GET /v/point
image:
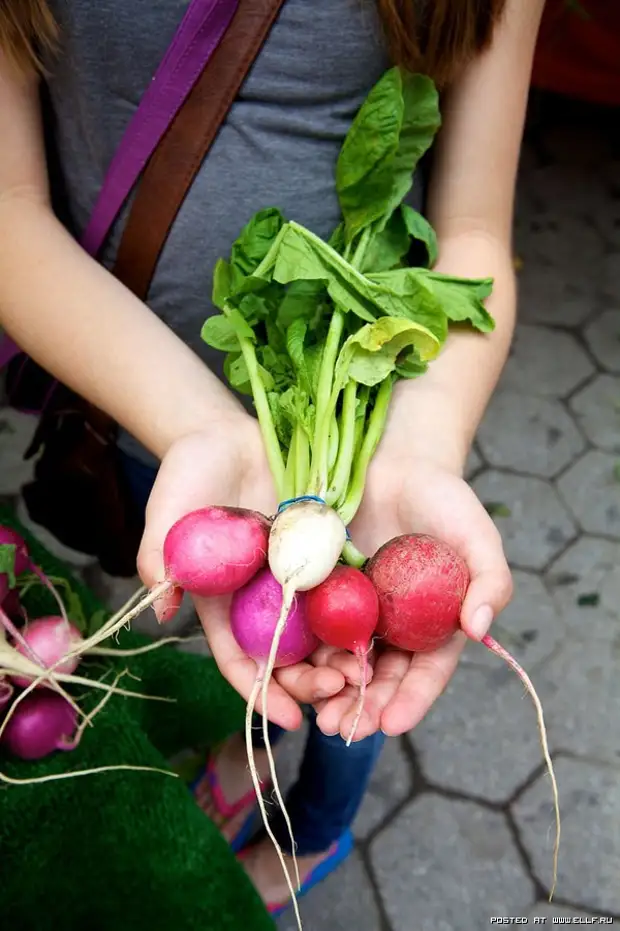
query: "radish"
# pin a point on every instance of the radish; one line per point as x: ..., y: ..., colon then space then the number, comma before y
x: 50, y: 639
x: 43, y: 722
x: 421, y: 585
x: 255, y: 613
x: 343, y: 612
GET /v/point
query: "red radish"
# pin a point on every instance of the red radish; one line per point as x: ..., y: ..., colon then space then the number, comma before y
x: 49, y: 639
x: 343, y: 612
x: 43, y: 722
x: 255, y: 614
x: 421, y: 583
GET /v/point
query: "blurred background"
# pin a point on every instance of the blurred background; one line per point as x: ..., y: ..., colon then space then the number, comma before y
x: 458, y: 825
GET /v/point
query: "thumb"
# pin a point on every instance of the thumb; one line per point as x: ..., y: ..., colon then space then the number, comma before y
x: 491, y: 586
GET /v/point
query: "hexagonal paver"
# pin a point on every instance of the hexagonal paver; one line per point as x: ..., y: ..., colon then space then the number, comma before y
x: 343, y: 901
x: 537, y: 525
x: 448, y: 866
x: 591, y: 489
x: 603, y: 338
x: 16, y: 432
x: 545, y: 362
x: 528, y: 434
x: 391, y: 783
x: 548, y: 914
x: 480, y: 737
x: 580, y: 692
x: 597, y: 409
x: 531, y: 627
x: 589, y: 860
x: 585, y: 584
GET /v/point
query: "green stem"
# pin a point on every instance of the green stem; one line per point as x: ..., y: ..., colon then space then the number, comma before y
x: 334, y: 439
x: 320, y: 445
x: 289, y: 473
x: 269, y: 260
x: 302, y: 461
x: 360, y: 252
x: 265, y: 420
x: 352, y: 556
x: 340, y: 479
x: 376, y: 423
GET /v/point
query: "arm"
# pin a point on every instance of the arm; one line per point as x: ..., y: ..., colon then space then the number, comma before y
x: 471, y: 208
x: 73, y: 317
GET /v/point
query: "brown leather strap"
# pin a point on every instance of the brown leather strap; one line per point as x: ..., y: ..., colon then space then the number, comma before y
x: 176, y: 161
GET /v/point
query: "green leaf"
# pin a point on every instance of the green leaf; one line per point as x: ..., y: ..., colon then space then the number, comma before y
x: 304, y: 300
x: 7, y: 562
x: 420, y: 229
x: 389, y: 246
x: 295, y: 405
x: 218, y: 333
x: 497, y: 509
x: 589, y: 600
x: 393, y: 129
x: 295, y: 336
x: 222, y: 283
x: 370, y: 355
x: 281, y: 422
x: 241, y: 328
x: 256, y: 239
x: 461, y: 299
x: 313, y: 357
x: 410, y: 366
x: 402, y: 293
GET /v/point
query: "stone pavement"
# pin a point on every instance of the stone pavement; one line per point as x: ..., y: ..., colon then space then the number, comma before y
x: 457, y: 826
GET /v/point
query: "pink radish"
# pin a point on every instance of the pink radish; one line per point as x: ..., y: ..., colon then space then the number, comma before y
x: 254, y: 617
x: 421, y: 583
x: 43, y: 722
x: 343, y: 612
x: 49, y: 639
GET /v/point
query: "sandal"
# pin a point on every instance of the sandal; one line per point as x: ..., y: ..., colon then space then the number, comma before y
x: 338, y: 853
x: 226, y: 810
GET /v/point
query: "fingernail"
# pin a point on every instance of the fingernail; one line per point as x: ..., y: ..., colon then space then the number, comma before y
x: 481, y: 621
x: 324, y: 693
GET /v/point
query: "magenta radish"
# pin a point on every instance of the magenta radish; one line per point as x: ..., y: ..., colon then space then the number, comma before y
x: 50, y: 639
x: 421, y: 583
x: 43, y: 722
x: 343, y: 612
x: 254, y: 616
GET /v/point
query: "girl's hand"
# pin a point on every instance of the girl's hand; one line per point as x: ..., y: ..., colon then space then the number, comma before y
x: 225, y: 465
x: 407, y: 495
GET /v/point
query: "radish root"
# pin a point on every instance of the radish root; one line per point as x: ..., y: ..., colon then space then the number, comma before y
x: 362, y: 659
x: 249, y: 746
x: 499, y: 650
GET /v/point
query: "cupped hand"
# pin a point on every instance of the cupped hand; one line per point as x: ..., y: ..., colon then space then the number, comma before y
x: 409, y: 495
x: 226, y: 465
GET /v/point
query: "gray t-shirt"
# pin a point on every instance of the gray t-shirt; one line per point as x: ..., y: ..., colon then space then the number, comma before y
x: 278, y: 146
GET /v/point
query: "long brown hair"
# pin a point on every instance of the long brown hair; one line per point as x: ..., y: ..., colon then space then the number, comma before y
x: 434, y: 36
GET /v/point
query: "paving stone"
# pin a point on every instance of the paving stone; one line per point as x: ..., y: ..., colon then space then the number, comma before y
x: 580, y: 692
x: 474, y: 463
x: 591, y: 489
x: 603, y: 338
x: 390, y: 784
x: 589, y: 861
x: 585, y: 584
x: 538, y: 526
x: 559, y: 914
x: 480, y: 737
x: 531, y: 627
x: 448, y: 866
x: 16, y: 432
x: 597, y: 410
x: 545, y: 362
x: 528, y: 434
x: 342, y: 901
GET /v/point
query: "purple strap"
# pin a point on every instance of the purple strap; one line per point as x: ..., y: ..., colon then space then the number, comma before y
x: 199, y: 34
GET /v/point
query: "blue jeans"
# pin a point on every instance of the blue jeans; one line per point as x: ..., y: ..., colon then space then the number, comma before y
x: 332, y: 778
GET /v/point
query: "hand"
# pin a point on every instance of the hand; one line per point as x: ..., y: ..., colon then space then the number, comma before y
x: 423, y: 497
x: 226, y: 465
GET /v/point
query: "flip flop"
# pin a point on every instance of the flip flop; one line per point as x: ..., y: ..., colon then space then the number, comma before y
x: 339, y: 852
x: 226, y: 810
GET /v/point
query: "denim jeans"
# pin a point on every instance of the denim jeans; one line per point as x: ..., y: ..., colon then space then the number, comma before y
x: 332, y: 779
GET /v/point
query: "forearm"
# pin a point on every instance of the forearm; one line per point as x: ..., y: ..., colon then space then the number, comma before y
x: 82, y: 325
x: 439, y: 412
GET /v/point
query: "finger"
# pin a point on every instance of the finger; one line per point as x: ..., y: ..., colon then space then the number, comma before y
x: 308, y: 684
x: 344, y: 662
x: 239, y: 670
x: 332, y: 711
x: 491, y: 586
x: 390, y: 670
x: 427, y: 677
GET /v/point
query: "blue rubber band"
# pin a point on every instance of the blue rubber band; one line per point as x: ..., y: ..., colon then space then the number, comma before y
x: 289, y: 501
